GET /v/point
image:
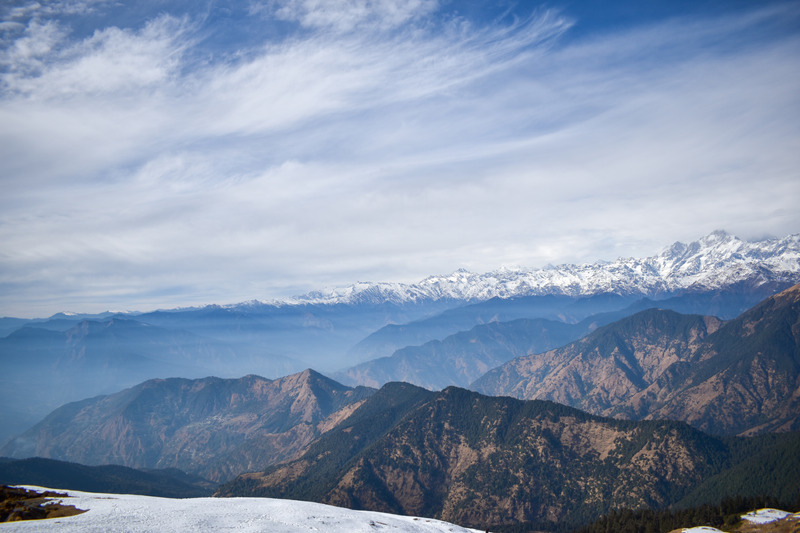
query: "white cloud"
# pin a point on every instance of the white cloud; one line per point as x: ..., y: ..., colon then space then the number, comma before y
x: 110, y: 61
x: 347, y: 15
x: 25, y: 56
x: 53, y: 8
x: 131, y: 167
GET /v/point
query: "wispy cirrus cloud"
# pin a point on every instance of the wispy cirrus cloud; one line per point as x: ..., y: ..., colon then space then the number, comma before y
x: 376, y: 140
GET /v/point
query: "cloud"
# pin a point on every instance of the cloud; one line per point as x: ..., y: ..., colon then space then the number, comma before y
x: 379, y: 142
x: 110, y: 61
x: 25, y: 55
x: 347, y: 15
x: 52, y: 8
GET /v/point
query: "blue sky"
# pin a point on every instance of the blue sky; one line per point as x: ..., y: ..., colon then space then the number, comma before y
x: 159, y: 154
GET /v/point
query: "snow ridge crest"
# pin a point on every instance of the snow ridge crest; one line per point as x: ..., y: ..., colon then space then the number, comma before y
x: 712, y: 262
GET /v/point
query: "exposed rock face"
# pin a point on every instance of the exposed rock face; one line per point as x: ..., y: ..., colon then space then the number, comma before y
x: 213, y: 427
x: 479, y: 461
x: 739, y: 377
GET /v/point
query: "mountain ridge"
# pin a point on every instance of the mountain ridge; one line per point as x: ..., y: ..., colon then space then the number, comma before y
x: 169, y: 483
x: 484, y: 461
x: 713, y: 261
x: 736, y: 377
x: 213, y: 427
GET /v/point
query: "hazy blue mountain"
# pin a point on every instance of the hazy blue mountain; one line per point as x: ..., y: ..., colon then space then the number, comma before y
x: 387, y: 340
x: 57, y: 322
x: 43, y: 369
x: 726, y: 303
x: 9, y: 324
x: 319, y: 335
x: 462, y: 358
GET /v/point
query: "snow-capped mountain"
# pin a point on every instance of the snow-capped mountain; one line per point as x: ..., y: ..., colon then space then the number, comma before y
x: 715, y: 261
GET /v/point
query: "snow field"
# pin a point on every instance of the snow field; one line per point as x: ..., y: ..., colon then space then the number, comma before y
x: 125, y: 513
x: 761, y: 516
x: 765, y: 516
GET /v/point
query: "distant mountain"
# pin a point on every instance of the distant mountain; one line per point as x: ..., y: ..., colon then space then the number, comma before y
x: 43, y: 368
x: 462, y: 358
x: 331, y: 329
x: 714, y: 262
x: 718, y: 275
x: 570, y: 309
x: 315, y: 335
x: 212, y: 427
x: 170, y: 483
x: 737, y: 377
x: 337, y: 329
x: 486, y: 461
x: 82, y: 355
x: 57, y: 322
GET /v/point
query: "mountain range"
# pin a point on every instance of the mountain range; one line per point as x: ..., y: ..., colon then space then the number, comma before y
x: 375, y: 333
x: 80, y: 355
x: 713, y: 262
x: 211, y: 427
x: 44, y: 368
x: 482, y: 460
x: 736, y: 377
x: 485, y: 462
x: 463, y: 357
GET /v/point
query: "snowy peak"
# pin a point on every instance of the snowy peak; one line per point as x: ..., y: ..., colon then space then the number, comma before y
x: 720, y: 259
x: 712, y: 262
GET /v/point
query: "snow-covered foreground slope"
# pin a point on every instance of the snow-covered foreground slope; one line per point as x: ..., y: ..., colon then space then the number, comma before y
x: 109, y: 513
x: 759, y: 517
x: 765, y: 516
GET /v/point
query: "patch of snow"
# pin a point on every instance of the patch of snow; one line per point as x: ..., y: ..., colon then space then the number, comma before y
x: 117, y: 513
x: 702, y: 529
x: 765, y: 516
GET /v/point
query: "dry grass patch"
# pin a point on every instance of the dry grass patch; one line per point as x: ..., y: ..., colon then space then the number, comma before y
x: 22, y: 504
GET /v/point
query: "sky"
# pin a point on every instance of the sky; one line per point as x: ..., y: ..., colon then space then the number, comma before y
x: 159, y: 154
